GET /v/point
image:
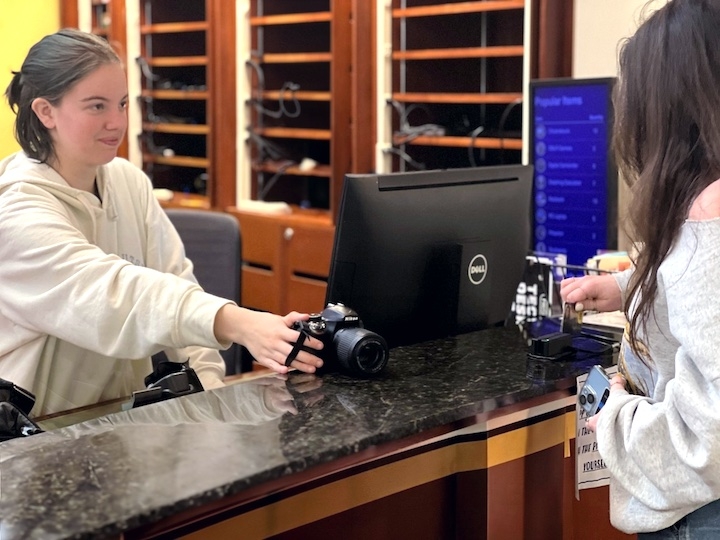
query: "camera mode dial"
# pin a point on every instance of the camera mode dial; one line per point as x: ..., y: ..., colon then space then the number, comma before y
x: 316, y: 324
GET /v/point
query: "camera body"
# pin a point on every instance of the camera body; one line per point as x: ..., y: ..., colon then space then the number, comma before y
x: 348, y: 346
x: 595, y: 391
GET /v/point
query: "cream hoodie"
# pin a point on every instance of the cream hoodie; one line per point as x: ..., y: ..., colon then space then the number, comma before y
x: 90, y: 289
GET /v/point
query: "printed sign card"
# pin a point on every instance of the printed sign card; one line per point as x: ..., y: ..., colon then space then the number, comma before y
x: 590, y: 470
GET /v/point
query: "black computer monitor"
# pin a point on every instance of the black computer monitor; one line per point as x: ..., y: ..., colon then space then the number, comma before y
x: 427, y: 254
x: 575, y: 190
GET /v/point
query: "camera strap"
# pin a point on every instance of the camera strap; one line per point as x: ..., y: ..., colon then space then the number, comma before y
x: 296, y: 348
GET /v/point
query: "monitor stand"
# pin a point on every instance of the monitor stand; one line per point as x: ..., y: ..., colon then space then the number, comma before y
x: 460, y: 279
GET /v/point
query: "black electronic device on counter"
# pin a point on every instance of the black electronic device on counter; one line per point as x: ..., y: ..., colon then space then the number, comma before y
x: 168, y: 380
x: 553, y: 339
x: 15, y: 406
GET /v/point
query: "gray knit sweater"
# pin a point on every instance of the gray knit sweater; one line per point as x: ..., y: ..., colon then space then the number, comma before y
x: 663, y: 451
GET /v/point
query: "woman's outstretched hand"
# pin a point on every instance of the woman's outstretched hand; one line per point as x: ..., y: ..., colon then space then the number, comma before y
x: 268, y: 337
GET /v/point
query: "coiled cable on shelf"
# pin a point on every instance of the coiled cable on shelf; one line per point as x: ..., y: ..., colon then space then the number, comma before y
x: 267, y: 147
x: 407, y: 133
x: 146, y: 71
x: 275, y: 152
x: 501, y: 133
x: 471, y: 148
x: 282, y: 110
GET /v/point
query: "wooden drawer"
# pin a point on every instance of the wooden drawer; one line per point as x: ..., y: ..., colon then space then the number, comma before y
x: 309, y: 250
x: 260, y: 239
x: 306, y: 295
x: 286, y: 260
x: 260, y: 290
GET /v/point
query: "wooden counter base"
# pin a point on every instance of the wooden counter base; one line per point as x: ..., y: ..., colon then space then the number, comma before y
x: 499, y: 478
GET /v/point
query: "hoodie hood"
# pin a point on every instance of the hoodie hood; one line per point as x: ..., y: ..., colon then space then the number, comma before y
x: 18, y: 169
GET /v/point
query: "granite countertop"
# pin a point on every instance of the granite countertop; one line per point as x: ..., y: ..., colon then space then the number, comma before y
x: 131, y: 468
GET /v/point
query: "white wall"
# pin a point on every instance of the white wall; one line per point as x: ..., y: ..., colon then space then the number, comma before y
x: 599, y: 27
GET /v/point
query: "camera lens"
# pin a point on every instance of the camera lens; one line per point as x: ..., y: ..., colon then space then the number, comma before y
x: 361, y: 351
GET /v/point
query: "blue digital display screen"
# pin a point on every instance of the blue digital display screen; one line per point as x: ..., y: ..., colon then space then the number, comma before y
x: 575, y: 183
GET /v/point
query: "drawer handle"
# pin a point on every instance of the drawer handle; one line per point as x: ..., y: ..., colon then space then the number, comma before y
x: 288, y: 233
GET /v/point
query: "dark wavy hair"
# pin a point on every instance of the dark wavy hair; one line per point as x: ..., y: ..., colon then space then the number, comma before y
x: 52, y: 66
x: 667, y: 135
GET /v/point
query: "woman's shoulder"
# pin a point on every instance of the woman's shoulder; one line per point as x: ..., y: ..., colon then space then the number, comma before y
x: 707, y: 205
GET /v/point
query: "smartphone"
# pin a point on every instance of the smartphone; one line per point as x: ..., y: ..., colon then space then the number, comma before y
x: 595, y: 391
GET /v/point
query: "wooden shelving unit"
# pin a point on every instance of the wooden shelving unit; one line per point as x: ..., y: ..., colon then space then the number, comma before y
x: 187, y: 61
x: 457, y: 83
x: 175, y: 98
x: 299, y: 71
x: 300, y: 75
x: 311, y: 110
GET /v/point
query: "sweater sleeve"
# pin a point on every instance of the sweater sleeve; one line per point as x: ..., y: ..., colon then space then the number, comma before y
x: 622, y: 279
x: 665, y: 452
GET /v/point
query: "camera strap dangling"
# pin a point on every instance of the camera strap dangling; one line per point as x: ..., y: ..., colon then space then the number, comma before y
x: 297, y: 347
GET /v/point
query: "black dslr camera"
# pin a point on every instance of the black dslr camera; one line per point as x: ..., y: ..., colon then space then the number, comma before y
x: 347, y: 345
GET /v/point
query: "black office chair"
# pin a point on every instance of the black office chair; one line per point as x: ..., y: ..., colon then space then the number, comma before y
x: 213, y: 243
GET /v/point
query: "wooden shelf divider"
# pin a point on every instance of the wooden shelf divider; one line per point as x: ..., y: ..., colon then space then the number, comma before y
x: 457, y: 97
x: 458, y: 8
x: 174, y: 28
x: 462, y: 52
x: 292, y: 18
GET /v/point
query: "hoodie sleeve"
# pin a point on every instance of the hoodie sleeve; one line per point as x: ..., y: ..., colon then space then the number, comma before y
x: 56, y: 282
x: 166, y: 253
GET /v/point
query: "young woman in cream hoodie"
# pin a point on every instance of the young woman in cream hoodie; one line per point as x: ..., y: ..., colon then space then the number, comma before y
x: 93, y: 276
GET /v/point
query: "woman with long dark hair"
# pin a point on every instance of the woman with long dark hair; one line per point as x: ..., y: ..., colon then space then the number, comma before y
x: 659, y: 433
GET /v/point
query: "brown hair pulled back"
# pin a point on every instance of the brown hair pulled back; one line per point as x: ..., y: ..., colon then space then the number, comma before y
x: 52, y: 66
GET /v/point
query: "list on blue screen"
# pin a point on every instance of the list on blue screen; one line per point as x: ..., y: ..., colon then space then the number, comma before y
x: 573, y: 191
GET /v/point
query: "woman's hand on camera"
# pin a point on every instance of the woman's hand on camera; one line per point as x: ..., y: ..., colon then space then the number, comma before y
x: 304, y: 360
x: 268, y: 337
x: 593, y: 293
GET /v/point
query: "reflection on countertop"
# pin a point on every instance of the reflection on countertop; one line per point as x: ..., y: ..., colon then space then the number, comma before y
x: 130, y: 468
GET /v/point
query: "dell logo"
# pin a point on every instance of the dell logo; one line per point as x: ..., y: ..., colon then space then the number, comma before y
x: 477, y: 271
